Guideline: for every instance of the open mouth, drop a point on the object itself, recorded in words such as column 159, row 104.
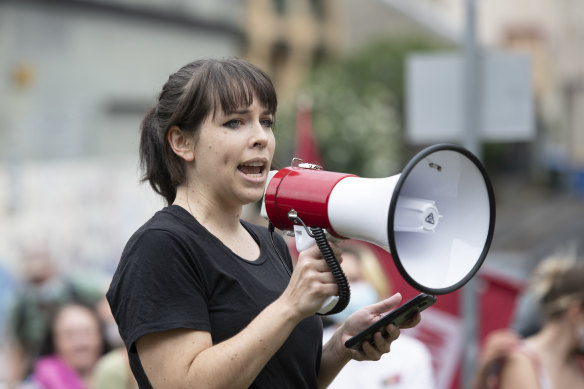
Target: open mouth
column 253, row 169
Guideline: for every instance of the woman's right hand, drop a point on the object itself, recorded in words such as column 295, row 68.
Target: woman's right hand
column 311, row 282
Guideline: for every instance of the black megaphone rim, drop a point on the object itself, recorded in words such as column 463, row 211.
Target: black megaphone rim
column 392, row 207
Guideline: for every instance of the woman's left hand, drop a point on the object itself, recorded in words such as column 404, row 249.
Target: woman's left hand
column 367, row 316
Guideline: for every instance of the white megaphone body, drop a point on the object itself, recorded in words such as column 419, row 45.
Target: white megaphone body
column 436, row 218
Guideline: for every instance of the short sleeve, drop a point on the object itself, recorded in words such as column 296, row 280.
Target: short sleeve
column 158, row 286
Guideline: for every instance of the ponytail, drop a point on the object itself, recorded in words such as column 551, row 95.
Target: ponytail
column 152, row 160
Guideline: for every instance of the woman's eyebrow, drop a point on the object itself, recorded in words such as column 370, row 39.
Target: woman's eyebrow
column 245, row 111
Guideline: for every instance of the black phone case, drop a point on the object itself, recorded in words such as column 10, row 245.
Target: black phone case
column 397, row 317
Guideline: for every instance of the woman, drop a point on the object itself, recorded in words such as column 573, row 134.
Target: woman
column 200, row 297
column 76, row 344
column 552, row 357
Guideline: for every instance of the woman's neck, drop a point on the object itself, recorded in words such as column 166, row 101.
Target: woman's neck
column 554, row 340
column 221, row 221
column 554, row 345
column 207, row 211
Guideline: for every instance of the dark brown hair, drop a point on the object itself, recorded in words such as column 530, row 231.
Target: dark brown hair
column 192, row 93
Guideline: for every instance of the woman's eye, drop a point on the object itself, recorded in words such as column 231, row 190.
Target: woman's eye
column 269, row 123
column 233, row 123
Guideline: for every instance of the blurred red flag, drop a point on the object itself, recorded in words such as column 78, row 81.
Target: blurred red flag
column 306, row 147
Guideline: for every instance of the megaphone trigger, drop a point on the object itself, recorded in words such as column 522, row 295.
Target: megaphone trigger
column 303, row 238
column 302, row 235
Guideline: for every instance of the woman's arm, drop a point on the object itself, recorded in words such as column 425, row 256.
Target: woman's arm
column 185, row 358
column 334, row 353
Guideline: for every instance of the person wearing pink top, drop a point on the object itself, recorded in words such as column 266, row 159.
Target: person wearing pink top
column 78, row 344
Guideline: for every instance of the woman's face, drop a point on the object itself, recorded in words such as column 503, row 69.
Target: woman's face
column 233, row 153
column 77, row 338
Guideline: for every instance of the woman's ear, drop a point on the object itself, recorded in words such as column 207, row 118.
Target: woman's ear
column 181, row 143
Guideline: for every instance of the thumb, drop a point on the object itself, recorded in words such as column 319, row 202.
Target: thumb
column 385, row 305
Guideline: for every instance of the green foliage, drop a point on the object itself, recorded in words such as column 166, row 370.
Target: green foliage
column 358, row 109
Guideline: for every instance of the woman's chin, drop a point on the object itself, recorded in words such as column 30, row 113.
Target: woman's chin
column 252, row 196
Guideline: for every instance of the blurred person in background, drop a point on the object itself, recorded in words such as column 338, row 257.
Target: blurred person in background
column 41, row 294
column 7, row 290
column 113, row 369
column 409, row 364
column 497, row 346
column 552, row 358
column 201, row 297
column 73, row 348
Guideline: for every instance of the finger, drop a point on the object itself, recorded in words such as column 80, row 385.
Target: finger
column 412, row 321
column 386, row 305
column 316, row 276
column 357, row 355
column 314, row 263
column 314, row 252
column 392, row 333
column 382, row 343
column 321, row 285
column 326, row 290
column 370, row 352
column 319, row 265
column 311, row 252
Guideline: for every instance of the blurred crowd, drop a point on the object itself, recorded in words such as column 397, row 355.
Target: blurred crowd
column 57, row 331
column 544, row 346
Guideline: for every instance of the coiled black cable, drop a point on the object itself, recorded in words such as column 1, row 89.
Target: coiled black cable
column 335, row 266
column 332, row 262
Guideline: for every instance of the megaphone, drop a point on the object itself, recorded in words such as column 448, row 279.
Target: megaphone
column 436, row 218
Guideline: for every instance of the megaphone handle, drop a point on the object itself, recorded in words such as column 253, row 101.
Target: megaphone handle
column 340, row 278
column 302, row 238
column 328, row 305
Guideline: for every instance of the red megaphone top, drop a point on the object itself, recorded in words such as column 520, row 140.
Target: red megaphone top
column 306, row 191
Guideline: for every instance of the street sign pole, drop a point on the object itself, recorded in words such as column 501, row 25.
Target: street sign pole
column 471, row 110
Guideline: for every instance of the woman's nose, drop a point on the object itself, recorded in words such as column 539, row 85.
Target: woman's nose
column 259, row 136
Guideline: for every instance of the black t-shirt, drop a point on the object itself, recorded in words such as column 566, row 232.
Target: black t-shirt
column 174, row 273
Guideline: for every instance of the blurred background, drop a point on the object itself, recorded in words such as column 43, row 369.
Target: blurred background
column 363, row 85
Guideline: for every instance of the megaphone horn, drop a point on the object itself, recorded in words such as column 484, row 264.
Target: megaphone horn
column 436, row 218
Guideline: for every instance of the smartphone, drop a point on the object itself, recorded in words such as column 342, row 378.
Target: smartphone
column 396, row 317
